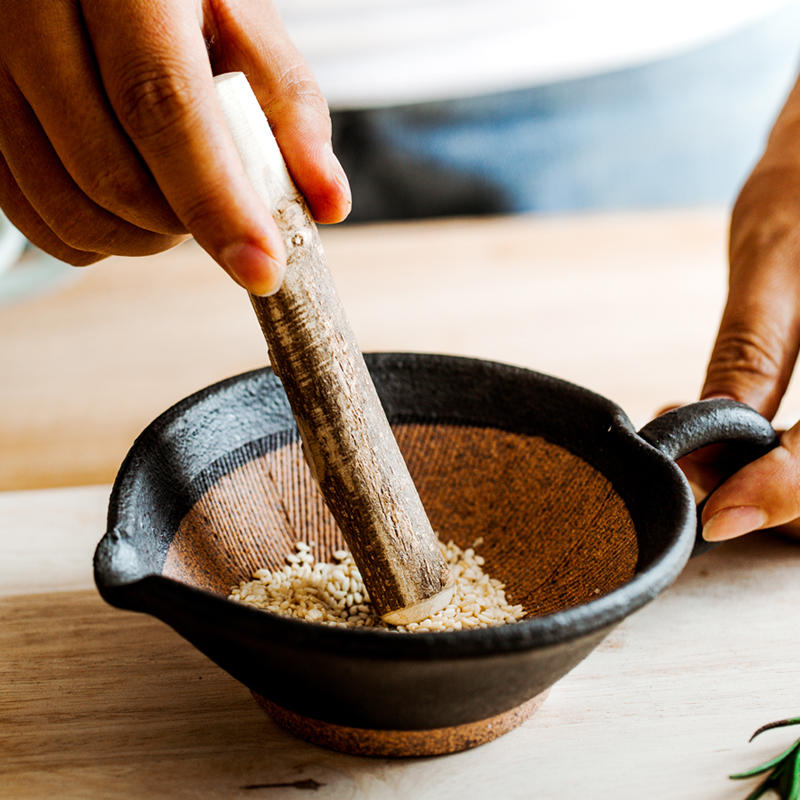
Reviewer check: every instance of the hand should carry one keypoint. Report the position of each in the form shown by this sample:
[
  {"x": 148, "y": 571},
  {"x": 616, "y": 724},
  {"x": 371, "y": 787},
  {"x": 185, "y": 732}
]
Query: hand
[
  {"x": 112, "y": 142},
  {"x": 759, "y": 336}
]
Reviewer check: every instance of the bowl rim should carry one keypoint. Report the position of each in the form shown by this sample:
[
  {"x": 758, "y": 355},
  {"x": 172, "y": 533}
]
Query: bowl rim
[{"x": 115, "y": 580}]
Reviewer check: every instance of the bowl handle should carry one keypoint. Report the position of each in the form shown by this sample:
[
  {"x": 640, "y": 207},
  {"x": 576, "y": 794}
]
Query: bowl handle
[{"x": 683, "y": 430}]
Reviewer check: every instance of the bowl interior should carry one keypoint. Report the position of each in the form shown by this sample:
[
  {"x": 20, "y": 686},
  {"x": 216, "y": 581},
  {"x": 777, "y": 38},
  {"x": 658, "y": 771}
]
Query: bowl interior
[
  {"x": 581, "y": 520},
  {"x": 549, "y": 525}
]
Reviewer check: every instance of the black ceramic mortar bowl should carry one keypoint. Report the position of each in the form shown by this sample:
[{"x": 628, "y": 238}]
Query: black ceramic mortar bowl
[{"x": 583, "y": 519}]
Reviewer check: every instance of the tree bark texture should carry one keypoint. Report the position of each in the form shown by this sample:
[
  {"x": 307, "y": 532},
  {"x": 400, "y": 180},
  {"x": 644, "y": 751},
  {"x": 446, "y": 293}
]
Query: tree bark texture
[{"x": 347, "y": 439}]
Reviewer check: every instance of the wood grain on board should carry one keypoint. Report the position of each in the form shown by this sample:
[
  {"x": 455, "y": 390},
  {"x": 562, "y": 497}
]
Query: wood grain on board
[{"x": 98, "y": 702}]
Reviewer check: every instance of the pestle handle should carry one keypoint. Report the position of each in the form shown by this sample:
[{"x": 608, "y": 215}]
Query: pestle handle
[{"x": 347, "y": 439}]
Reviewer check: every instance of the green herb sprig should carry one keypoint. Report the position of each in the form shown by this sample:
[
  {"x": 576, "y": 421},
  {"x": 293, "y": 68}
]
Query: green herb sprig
[{"x": 784, "y": 770}]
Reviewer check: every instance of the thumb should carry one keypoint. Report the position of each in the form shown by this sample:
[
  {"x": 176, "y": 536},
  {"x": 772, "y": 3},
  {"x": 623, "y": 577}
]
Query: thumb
[{"x": 762, "y": 494}]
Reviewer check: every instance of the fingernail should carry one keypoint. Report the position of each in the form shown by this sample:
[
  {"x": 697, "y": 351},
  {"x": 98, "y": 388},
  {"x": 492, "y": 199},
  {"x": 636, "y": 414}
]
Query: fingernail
[
  {"x": 339, "y": 173},
  {"x": 732, "y": 522},
  {"x": 253, "y": 268}
]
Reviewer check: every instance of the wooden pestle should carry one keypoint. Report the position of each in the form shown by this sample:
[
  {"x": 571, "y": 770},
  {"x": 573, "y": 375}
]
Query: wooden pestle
[{"x": 347, "y": 440}]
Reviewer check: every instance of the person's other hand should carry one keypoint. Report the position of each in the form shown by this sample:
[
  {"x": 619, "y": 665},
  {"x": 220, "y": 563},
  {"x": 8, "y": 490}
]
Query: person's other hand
[
  {"x": 759, "y": 337},
  {"x": 112, "y": 141}
]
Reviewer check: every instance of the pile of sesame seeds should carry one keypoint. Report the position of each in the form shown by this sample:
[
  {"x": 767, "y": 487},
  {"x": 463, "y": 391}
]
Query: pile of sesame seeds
[{"x": 334, "y": 594}]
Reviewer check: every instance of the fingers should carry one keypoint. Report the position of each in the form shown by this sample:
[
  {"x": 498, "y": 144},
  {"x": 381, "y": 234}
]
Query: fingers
[
  {"x": 759, "y": 335},
  {"x": 45, "y": 203},
  {"x": 25, "y": 218},
  {"x": 302, "y": 129},
  {"x": 248, "y": 36},
  {"x": 112, "y": 140},
  {"x": 754, "y": 356},
  {"x": 59, "y": 86},
  {"x": 159, "y": 83},
  {"x": 764, "y": 494}
]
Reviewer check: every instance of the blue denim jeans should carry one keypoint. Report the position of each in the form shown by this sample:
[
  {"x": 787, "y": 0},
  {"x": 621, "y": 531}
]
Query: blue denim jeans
[{"x": 683, "y": 130}]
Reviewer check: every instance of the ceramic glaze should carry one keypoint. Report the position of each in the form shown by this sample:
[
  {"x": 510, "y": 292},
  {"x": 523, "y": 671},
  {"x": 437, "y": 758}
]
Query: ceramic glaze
[{"x": 584, "y": 520}]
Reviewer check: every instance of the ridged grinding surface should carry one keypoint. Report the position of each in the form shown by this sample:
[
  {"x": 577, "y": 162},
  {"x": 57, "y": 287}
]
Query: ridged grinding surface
[{"x": 550, "y": 526}]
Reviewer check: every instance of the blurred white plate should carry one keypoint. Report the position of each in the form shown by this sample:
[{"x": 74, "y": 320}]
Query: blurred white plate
[
  {"x": 24, "y": 270},
  {"x": 12, "y": 243}
]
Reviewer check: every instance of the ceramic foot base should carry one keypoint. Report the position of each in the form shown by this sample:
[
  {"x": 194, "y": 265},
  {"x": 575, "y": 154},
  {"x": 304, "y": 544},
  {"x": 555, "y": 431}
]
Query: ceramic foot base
[{"x": 400, "y": 744}]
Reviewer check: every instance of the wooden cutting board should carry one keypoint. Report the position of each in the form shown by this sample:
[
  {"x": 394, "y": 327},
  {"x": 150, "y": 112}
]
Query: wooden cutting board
[{"x": 100, "y": 703}]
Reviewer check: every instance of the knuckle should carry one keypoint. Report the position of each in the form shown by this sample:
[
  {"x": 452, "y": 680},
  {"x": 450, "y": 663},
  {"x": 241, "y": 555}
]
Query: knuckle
[
  {"x": 200, "y": 213},
  {"x": 47, "y": 239},
  {"x": 764, "y": 216},
  {"x": 107, "y": 182},
  {"x": 79, "y": 233},
  {"x": 103, "y": 235},
  {"x": 123, "y": 188},
  {"x": 300, "y": 92},
  {"x": 744, "y": 351},
  {"x": 76, "y": 222},
  {"x": 758, "y": 237},
  {"x": 151, "y": 100}
]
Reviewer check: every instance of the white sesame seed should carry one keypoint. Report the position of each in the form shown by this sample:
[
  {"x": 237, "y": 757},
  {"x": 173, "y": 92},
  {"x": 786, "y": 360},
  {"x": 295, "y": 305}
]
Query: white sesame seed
[{"x": 334, "y": 594}]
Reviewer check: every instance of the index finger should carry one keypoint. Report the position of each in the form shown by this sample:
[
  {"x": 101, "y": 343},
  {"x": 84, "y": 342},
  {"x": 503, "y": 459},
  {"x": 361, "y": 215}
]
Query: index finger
[
  {"x": 759, "y": 334},
  {"x": 155, "y": 69}
]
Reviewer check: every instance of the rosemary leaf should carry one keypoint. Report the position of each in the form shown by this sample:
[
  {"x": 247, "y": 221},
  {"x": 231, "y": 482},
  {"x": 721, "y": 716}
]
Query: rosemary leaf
[
  {"x": 766, "y": 766},
  {"x": 794, "y": 790},
  {"x": 781, "y": 723},
  {"x": 784, "y": 770},
  {"x": 761, "y": 789}
]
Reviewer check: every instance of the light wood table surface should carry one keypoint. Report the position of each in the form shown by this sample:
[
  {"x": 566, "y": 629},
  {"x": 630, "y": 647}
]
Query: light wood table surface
[
  {"x": 99, "y": 703},
  {"x": 626, "y": 305}
]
